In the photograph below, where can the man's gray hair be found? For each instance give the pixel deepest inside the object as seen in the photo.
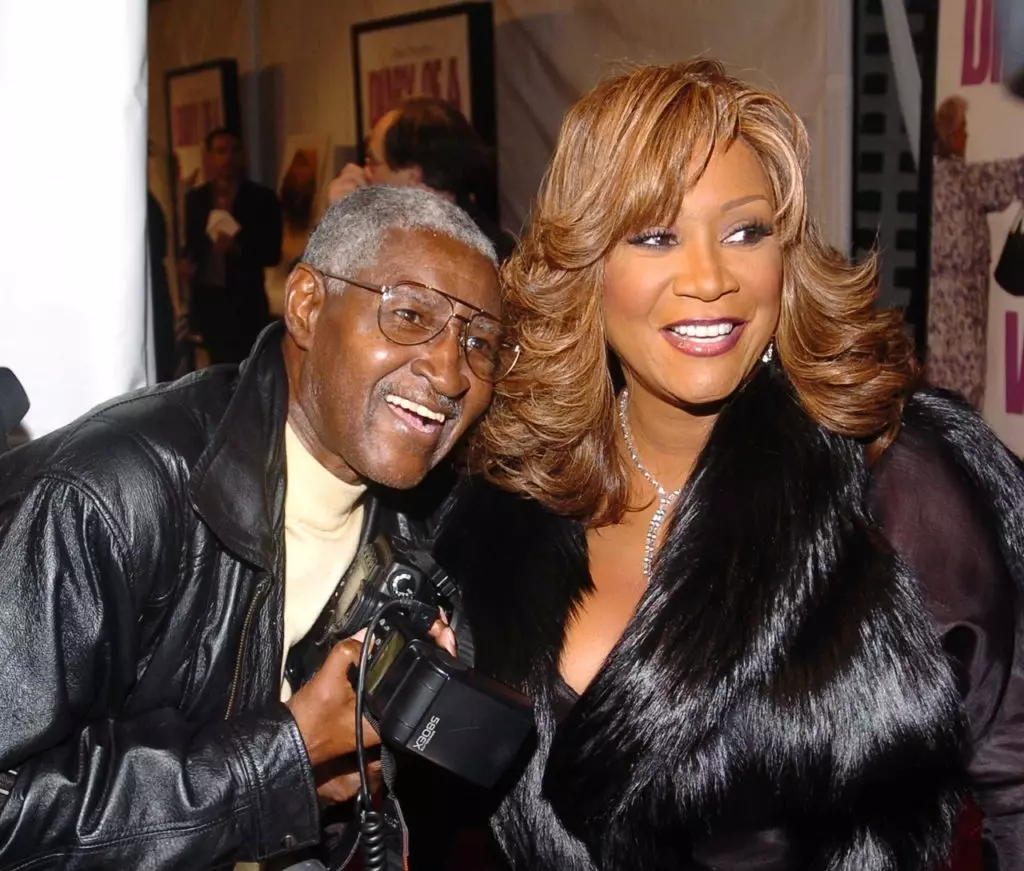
(349, 236)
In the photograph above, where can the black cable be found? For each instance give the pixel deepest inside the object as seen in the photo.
(371, 822)
(372, 838)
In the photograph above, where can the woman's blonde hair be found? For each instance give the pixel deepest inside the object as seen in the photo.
(622, 162)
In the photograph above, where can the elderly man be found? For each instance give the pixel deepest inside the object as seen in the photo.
(426, 143)
(146, 602)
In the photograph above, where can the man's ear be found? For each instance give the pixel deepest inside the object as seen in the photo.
(304, 298)
(412, 176)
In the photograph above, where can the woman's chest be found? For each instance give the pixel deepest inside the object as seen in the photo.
(615, 559)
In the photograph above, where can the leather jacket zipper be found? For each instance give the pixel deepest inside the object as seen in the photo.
(261, 588)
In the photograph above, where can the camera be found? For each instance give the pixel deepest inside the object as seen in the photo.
(384, 569)
(424, 701)
(420, 699)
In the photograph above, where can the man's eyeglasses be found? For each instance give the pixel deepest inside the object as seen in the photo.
(411, 313)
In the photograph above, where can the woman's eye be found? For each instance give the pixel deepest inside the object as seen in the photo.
(749, 234)
(654, 239)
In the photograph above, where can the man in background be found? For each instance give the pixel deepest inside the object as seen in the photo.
(427, 143)
(163, 313)
(232, 232)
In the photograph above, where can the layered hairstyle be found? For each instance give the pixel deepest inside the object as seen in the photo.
(626, 154)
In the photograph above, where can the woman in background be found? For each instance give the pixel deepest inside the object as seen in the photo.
(964, 195)
(764, 590)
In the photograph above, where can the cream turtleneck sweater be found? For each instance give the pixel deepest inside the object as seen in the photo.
(323, 517)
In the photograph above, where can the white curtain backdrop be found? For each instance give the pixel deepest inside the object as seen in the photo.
(73, 99)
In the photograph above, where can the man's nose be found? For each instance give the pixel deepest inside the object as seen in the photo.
(443, 363)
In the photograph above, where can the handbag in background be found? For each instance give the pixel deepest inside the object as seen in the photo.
(1009, 274)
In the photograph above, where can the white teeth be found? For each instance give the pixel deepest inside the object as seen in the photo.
(704, 331)
(415, 408)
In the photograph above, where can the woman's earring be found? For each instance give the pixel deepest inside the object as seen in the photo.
(769, 352)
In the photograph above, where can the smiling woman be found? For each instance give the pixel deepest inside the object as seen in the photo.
(691, 306)
(650, 138)
(732, 538)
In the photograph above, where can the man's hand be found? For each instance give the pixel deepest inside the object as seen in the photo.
(351, 177)
(341, 787)
(325, 708)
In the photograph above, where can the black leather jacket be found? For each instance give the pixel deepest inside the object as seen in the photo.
(141, 603)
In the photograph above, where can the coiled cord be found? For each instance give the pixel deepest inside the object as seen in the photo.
(372, 838)
(372, 827)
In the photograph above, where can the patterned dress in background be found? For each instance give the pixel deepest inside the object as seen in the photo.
(963, 195)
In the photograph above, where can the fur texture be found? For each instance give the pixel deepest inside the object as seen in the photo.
(781, 671)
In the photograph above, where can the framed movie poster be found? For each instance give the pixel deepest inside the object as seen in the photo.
(200, 98)
(446, 52)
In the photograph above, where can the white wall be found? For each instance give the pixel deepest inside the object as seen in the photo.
(72, 224)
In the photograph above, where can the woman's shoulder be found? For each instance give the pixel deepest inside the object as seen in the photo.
(474, 500)
(945, 449)
(949, 497)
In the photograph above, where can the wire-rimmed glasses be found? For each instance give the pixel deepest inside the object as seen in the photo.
(411, 313)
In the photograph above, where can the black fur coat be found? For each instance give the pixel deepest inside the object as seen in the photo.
(781, 698)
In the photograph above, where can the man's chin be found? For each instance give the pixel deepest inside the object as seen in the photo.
(397, 473)
(407, 483)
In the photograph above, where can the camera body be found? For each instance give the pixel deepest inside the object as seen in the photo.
(384, 569)
(420, 699)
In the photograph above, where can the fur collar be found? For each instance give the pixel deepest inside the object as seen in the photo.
(781, 653)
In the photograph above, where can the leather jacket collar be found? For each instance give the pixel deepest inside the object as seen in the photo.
(238, 483)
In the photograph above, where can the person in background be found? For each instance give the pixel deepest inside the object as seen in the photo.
(161, 556)
(232, 232)
(963, 196)
(764, 589)
(427, 143)
(298, 193)
(163, 308)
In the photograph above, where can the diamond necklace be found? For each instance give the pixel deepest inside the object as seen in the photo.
(665, 499)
